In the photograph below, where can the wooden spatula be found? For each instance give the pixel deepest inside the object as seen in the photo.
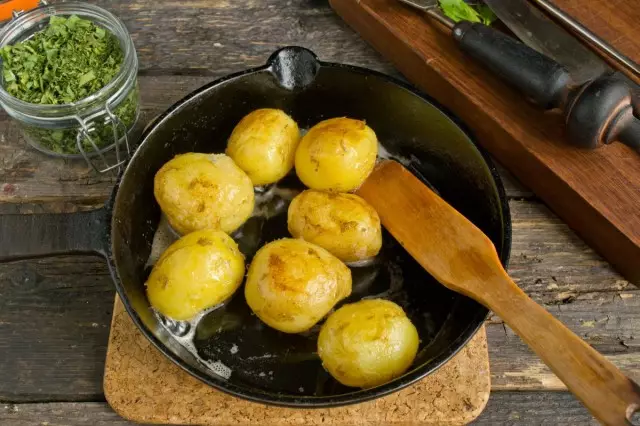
(463, 259)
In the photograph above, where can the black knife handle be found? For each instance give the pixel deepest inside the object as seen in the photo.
(602, 111)
(630, 134)
(542, 80)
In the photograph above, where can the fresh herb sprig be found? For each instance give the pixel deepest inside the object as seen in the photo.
(459, 10)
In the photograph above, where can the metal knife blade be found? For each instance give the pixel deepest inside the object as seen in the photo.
(540, 33)
(601, 47)
(422, 4)
(432, 8)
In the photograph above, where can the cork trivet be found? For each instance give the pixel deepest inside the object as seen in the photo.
(143, 386)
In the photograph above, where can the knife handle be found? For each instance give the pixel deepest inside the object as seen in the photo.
(602, 111)
(542, 80)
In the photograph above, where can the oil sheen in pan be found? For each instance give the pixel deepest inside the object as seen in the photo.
(230, 340)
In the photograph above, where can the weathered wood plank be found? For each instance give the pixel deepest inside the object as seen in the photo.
(547, 257)
(534, 408)
(504, 408)
(55, 313)
(515, 367)
(59, 414)
(55, 316)
(512, 187)
(205, 37)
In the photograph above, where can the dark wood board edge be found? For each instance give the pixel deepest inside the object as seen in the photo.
(588, 221)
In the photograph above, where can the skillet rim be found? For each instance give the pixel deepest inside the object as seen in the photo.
(358, 396)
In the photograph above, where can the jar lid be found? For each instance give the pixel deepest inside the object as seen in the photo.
(7, 7)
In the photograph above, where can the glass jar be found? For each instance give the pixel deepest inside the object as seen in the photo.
(93, 125)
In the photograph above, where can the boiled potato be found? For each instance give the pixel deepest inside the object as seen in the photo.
(201, 191)
(196, 272)
(368, 343)
(263, 144)
(292, 284)
(336, 155)
(344, 224)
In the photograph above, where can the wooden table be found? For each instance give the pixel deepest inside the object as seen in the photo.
(55, 313)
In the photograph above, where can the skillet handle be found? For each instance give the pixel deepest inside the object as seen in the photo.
(41, 235)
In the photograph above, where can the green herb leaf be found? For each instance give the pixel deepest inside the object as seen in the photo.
(459, 10)
(57, 135)
(486, 14)
(86, 77)
(9, 76)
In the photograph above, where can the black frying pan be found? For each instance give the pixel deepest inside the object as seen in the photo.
(266, 365)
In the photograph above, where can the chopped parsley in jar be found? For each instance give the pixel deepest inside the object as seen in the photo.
(69, 60)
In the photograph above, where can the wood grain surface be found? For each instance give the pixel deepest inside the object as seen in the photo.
(503, 408)
(597, 192)
(55, 313)
(614, 21)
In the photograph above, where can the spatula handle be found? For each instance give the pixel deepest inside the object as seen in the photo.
(456, 253)
(610, 396)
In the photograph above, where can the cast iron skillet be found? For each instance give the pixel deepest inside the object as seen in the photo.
(266, 365)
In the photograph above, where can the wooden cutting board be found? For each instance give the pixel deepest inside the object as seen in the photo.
(596, 192)
(143, 386)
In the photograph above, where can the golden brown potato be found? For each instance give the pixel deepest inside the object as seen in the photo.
(344, 224)
(368, 343)
(201, 191)
(196, 272)
(263, 144)
(293, 284)
(336, 155)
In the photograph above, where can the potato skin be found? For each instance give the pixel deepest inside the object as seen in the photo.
(344, 224)
(368, 343)
(201, 191)
(263, 144)
(196, 272)
(337, 155)
(292, 284)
